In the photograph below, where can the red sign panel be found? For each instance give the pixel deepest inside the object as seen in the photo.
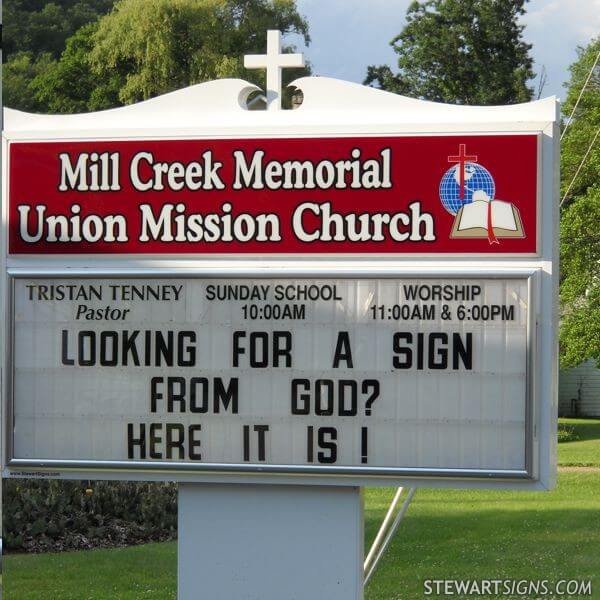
(383, 195)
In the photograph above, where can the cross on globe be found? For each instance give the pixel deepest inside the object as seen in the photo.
(476, 178)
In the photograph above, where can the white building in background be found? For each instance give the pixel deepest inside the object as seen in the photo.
(579, 391)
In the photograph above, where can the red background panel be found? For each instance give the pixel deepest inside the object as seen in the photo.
(418, 164)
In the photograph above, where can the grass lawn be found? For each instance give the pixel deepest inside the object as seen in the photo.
(585, 452)
(138, 572)
(482, 534)
(452, 534)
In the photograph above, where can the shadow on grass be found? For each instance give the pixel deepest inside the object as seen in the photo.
(495, 544)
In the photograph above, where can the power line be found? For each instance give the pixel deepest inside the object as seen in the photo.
(579, 167)
(580, 94)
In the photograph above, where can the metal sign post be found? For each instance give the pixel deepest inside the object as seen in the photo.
(275, 308)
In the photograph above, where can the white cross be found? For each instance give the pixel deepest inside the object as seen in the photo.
(273, 61)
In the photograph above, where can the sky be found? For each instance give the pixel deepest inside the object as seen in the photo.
(348, 35)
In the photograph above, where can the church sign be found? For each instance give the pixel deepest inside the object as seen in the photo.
(361, 291)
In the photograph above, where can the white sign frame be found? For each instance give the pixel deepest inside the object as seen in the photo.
(367, 475)
(215, 110)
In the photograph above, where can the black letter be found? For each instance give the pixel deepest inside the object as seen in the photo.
(132, 441)
(226, 396)
(236, 346)
(175, 396)
(297, 408)
(154, 393)
(352, 410)
(327, 409)
(194, 443)
(87, 362)
(462, 351)
(155, 439)
(285, 350)
(175, 443)
(404, 360)
(190, 361)
(105, 359)
(203, 382)
(163, 349)
(343, 350)
(331, 446)
(65, 351)
(441, 353)
(129, 346)
(246, 443)
(261, 430)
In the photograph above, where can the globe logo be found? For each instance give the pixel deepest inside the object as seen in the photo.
(475, 177)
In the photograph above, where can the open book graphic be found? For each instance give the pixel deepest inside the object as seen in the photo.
(485, 218)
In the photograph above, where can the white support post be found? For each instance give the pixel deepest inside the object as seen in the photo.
(270, 542)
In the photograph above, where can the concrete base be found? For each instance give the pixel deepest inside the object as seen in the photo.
(262, 542)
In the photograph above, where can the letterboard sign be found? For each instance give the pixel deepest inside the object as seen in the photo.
(373, 374)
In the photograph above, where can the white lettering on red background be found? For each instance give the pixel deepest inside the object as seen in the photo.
(331, 195)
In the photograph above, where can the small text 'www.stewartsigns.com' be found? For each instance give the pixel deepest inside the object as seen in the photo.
(494, 588)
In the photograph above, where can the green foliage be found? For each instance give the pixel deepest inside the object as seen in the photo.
(70, 85)
(62, 515)
(18, 76)
(35, 35)
(40, 27)
(584, 125)
(580, 284)
(460, 51)
(566, 433)
(145, 48)
(156, 46)
(580, 236)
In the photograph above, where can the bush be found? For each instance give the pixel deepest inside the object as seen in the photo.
(42, 516)
(567, 433)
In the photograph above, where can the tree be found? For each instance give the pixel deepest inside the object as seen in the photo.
(584, 124)
(145, 48)
(580, 280)
(43, 27)
(35, 34)
(580, 236)
(460, 51)
(70, 85)
(17, 78)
